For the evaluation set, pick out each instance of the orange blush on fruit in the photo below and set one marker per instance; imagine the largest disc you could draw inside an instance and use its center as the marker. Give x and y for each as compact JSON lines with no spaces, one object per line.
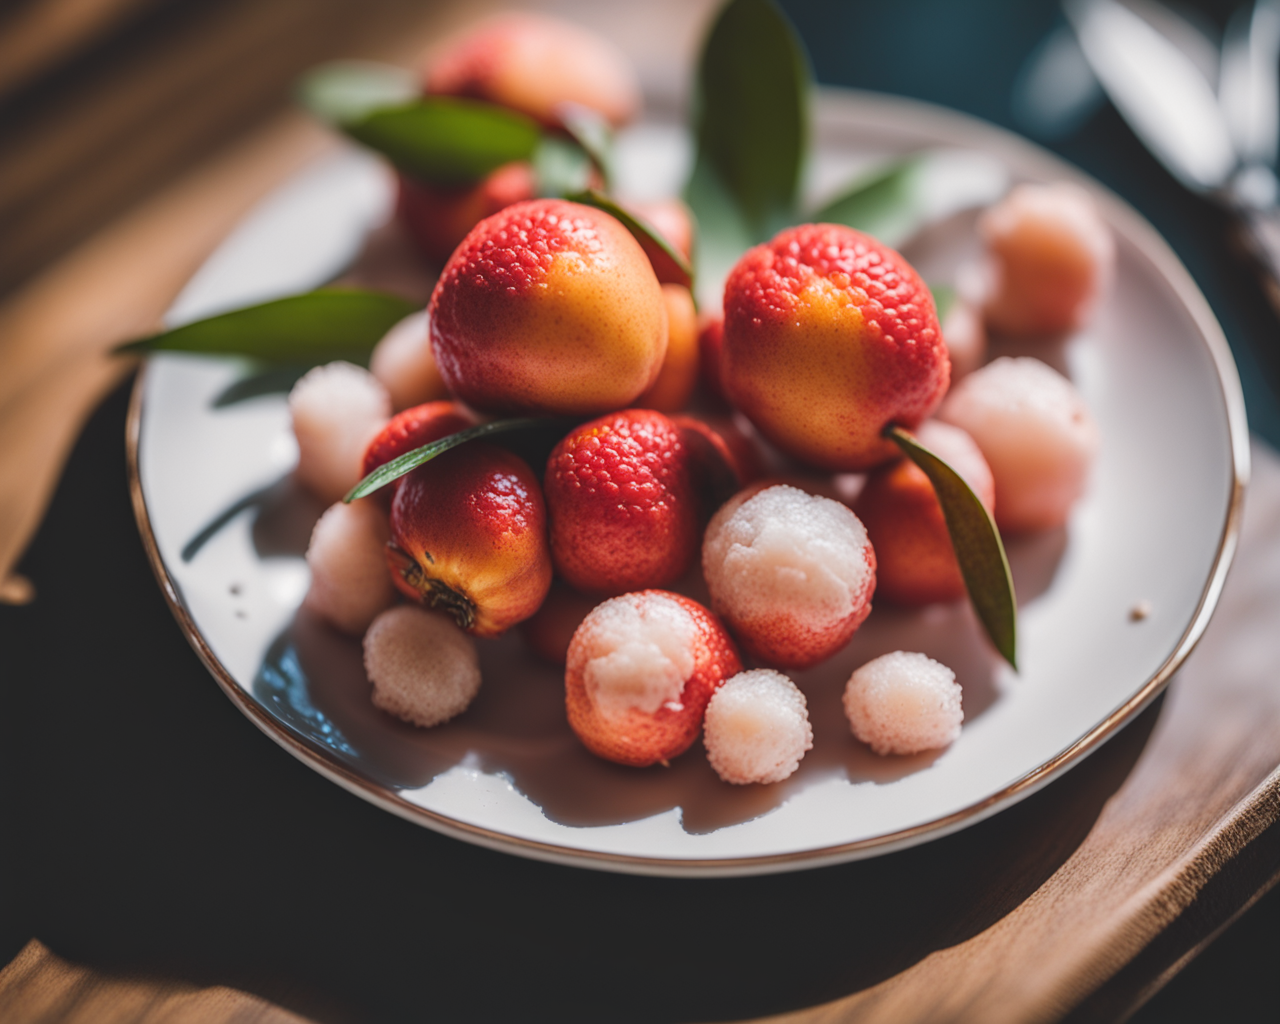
{"x":548,"y":307}
{"x":624,"y":515}
{"x":468,"y":537}
{"x":830,"y":336}
{"x":915,"y":561}
{"x":679,"y":374}
{"x":639,"y":673}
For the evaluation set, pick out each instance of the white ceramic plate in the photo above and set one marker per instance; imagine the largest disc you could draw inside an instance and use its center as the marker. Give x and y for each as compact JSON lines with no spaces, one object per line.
{"x":1158,"y":526}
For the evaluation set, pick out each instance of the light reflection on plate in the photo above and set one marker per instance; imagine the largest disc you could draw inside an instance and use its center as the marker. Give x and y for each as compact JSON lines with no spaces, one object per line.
{"x":1158,"y":525}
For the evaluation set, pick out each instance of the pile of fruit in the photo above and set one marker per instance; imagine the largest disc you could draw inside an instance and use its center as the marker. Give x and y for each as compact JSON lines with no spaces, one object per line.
{"x":695,"y":452}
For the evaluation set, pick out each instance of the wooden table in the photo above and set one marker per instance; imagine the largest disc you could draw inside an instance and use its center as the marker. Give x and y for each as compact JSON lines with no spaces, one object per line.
{"x":175,"y":865}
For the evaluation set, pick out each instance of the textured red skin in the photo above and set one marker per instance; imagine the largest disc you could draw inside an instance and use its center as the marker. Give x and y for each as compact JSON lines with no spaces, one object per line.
{"x":438,"y":218}
{"x":478,"y":511}
{"x":710,"y":353}
{"x":724,"y":459}
{"x":413,"y":428}
{"x":639,"y":738}
{"x":515,"y":331}
{"x":781,"y":639}
{"x":623,"y":512}
{"x":818,"y":379}
{"x":916,"y":563}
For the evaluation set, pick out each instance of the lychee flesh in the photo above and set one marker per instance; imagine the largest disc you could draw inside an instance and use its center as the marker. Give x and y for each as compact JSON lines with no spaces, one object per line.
{"x":403,"y":363}
{"x":423,"y":668}
{"x":1051,"y":255}
{"x":639,"y":673}
{"x":335,"y":410}
{"x":623,"y":512}
{"x":350,"y":584}
{"x":1036,"y":434}
{"x":904,"y":703}
{"x":791,"y":573}
{"x":830,"y":336}
{"x":757,"y":728}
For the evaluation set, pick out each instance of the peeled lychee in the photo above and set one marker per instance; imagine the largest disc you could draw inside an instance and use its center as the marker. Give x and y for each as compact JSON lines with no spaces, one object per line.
{"x":624,"y":515}
{"x":350,"y":584}
{"x":469,"y":537}
{"x":791,"y":573}
{"x":1051,"y":255}
{"x":640,"y":671}
{"x":403,"y":363}
{"x":829,"y":337}
{"x":757,"y":728}
{"x":1035,"y":433}
{"x":335,"y":409}
{"x":423,"y":668}
{"x":904,"y":703}
{"x":915,"y":561}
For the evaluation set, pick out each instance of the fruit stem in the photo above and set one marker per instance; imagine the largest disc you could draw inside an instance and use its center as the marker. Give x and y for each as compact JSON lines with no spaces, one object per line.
{"x":433,"y":593}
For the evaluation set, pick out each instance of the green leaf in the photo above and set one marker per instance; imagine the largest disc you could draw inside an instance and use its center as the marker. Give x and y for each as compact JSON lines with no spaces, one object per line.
{"x":592,"y":131}
{"x":316,"y":327}
{"x":977,"y":544}
{"x":885,"y":204}
{"x":410,"y":461}
{"x":561,"y":167}
{"x":751,"y":112}
{"x":646,"y":234}
{"x":346,"y":91}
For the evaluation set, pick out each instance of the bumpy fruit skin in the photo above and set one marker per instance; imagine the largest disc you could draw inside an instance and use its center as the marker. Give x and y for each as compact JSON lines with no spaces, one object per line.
{"x":548,"y":307}
{"x":915,"y":561}
{"x":624,"y":515}
{"x":534,"y":64}
{"x":829,"y":336}
{"x":413,"y":428}
{"x":640,"y":738}
{"x":469,"y":536}
{"x":438,"y":217}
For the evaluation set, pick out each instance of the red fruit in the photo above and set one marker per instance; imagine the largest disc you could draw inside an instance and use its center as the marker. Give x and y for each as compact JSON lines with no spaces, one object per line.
{"x":915,"y":562}
{"x":724,"y":459}
{"x":830,"y":336}
{"x":679,"y":374}
{"x":640,"y":671}
{"x":469,"y":536}
{"x":438,"y":217}
{"x":624,"y":515}
{"x":710,"y":354}
{"x":673,"y":221}
{"x":413,"y":428}
{"x":535,"y":64}
{"x":548,"y":307}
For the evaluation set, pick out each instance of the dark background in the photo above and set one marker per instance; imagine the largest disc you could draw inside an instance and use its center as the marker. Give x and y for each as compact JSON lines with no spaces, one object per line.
{"x":210,"y":854}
